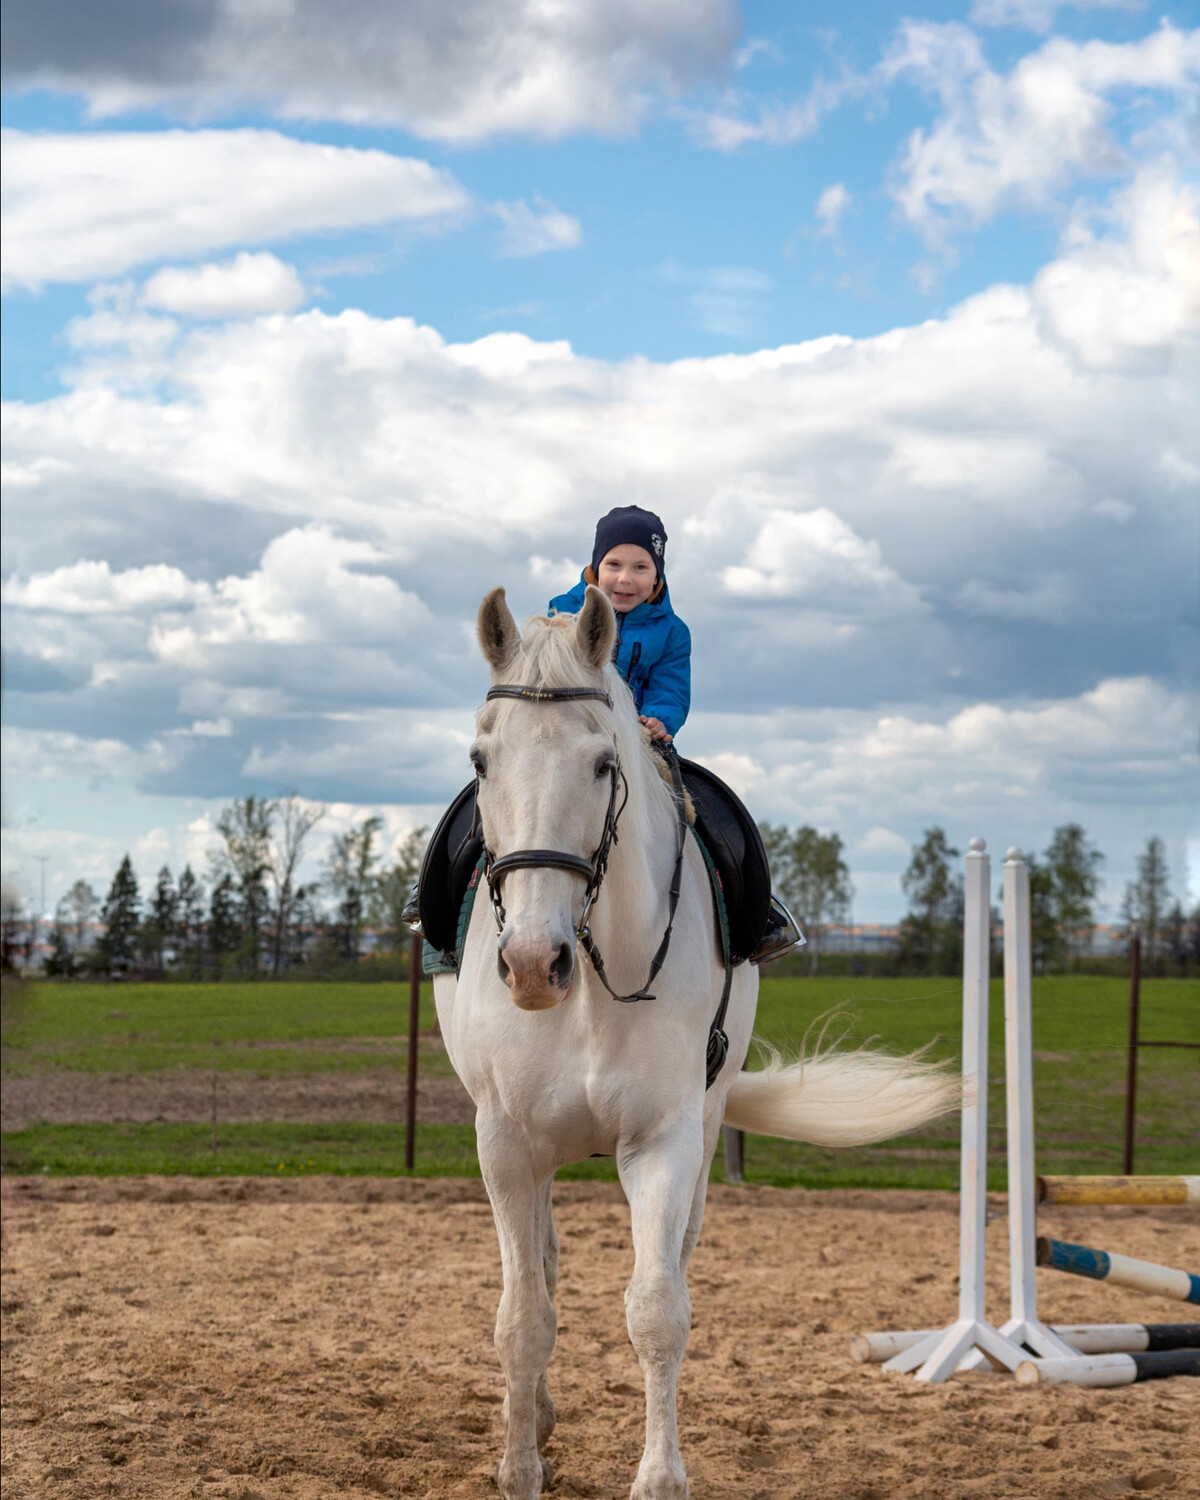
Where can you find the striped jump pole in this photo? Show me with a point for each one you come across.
(1086, 1338)
(1160, 1192)
(1108, 1369)
(1121, 1270)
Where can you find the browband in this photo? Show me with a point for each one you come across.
(547, 694)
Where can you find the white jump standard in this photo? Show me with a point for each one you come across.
(934, 1357)
(1088, 1354)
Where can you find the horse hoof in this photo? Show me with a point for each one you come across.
(661, 1486)
(522, 1481)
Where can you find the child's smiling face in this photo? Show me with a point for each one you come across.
(627, 575)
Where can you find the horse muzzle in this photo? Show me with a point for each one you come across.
(537, 967)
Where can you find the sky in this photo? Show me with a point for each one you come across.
(321, 320)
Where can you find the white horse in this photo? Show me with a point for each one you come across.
(559, 1071)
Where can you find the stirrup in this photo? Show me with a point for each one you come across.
(411, 915)
(781, 935)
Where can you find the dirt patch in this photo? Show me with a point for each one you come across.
(372, 1096)
(323, 1338)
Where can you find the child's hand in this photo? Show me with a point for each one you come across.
(658, 730)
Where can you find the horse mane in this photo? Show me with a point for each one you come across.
(547, 657)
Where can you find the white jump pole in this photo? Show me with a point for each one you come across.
(1086, 1338)
(1024, 1326)
(936, 1356)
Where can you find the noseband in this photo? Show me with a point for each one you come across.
(593, 870)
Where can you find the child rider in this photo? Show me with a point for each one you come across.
(654, 655)
(654, 646)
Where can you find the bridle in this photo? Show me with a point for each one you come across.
(592, 870)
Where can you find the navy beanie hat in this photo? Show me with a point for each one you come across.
(630, 524)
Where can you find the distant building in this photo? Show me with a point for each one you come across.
(869, 937)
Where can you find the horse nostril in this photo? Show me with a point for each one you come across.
(503, 969)
(560, 969)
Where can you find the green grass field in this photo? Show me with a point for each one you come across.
(263, 1028)
(301, 1029)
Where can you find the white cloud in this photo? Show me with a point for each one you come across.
(815, 558)
(995, 421)
(212, 729)
(1016, 139)
(1131, 304)
(1050, 602)
(47, 754)
(462, 72)
(533, 231)
(737, 123)
(78, 207)
(312, 586)
(250, 283)
(729, 301)
(1038, 15)
(428, 748)
(831, 207)
(881, 841)
(1010, 771)
(92, 588)
(289, 522)
(556, 576)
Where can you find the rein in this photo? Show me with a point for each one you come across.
(595, 869)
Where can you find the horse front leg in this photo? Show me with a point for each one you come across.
(525, 1321)
(659, 1177)
(546, 1414)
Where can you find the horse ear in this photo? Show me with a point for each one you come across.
(596, 629)
(498, 634)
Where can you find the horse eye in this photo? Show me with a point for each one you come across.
(604, 767)
(480, 766)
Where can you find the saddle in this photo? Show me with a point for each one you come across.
(723, 825)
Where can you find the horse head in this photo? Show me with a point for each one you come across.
(547, 769)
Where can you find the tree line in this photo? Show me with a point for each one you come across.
(810, 872)
(250, 915)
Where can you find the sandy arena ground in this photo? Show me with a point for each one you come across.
(332, 1337)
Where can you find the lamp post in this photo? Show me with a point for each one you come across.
(41, 911)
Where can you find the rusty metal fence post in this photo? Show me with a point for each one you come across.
(1131, 1063)
(414, 1024)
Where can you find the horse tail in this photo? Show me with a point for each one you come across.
(842, 1098)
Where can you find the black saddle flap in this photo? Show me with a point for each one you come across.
(450, 856)
(732, 838)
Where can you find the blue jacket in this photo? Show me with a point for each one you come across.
(653, 653)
